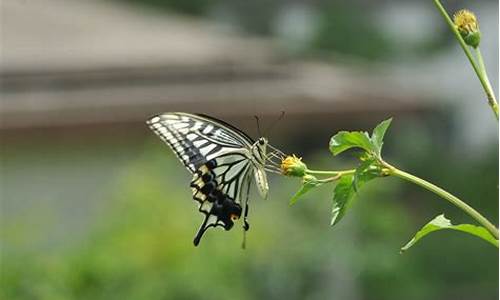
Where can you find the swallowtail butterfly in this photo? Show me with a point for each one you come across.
(223, 161)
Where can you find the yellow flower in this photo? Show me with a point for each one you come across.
(467, 25)
(293, 166)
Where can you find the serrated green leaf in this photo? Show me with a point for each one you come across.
(343, 195)
(345, 140)
(441, 222)
(309, 182)
(378, 135)
(366, 171)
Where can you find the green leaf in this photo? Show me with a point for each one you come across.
(440, 222)
(365, 172)
(346, 140)
(377, 138)
(309, 182)
(342, 198)
(348, 185)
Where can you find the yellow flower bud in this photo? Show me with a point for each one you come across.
(467, 25)
(293, 166)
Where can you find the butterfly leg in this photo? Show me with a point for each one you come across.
(246, 226)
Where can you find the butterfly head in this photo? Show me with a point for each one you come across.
(260, 149)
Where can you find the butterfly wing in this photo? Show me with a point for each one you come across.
(219, 157)
(196, 139)
(217, 186)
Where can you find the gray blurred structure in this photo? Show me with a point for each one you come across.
(92, 62)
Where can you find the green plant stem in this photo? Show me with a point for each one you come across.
(447, 196)
(481, 63)
(332, 173)
(393, 171)
(490, 94)
(329, 179)
(480, 71)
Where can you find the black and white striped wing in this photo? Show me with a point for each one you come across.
(196, 139)
(217, 187)
(218, 155)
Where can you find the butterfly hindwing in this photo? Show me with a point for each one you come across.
(217, 195)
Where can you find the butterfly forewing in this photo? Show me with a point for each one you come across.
(220, 158)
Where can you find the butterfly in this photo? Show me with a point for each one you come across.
(223, 160)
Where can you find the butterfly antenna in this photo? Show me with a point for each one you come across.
(258, 125)
(275, 122)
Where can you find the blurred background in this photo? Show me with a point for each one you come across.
(94, 206)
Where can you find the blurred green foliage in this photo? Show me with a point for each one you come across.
(139, 245)
(349, 29)
(191, 7)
